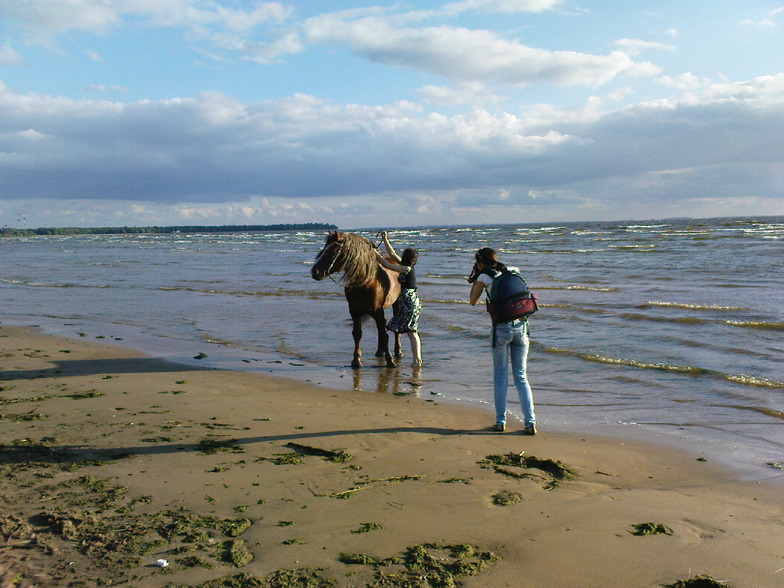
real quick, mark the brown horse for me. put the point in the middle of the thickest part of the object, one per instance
(369, 287)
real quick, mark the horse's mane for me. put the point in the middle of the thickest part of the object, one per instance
(360, 265)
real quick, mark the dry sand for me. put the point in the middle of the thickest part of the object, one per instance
(112, 460)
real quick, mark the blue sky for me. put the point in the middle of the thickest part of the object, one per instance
(143, 112)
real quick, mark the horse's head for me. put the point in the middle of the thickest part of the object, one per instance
(329, 258)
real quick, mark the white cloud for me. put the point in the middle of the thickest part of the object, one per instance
(103, 88)
(502, 6)
(260, 52)
(683, 82)
(471, 93)
(9, 56)
(634, 47)
(214, 157)
(47, 17)
(207, 18)
(769, 21)
(378, 34)
(470, 55)
(31, 135)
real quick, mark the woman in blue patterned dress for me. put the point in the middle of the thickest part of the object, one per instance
(406, 319)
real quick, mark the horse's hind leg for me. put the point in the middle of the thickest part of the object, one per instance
(356, 331)
(383, 337)
(398, 348)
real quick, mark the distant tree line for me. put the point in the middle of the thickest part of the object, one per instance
(183, 229)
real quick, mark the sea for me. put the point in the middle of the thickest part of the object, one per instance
(668, 331)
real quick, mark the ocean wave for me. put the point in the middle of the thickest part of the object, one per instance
(444, 300)
(637, 248)
(753, 381)
(579, 288)
(764, 325)
(256, 293)
(743, 379)
(54, 285)
(693, 306)
(579, 309)
(687, 320)
(629, 362)
(761, 409)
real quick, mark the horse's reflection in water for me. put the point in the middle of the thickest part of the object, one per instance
(389, 381)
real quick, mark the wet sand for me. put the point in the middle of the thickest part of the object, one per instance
(112, 461)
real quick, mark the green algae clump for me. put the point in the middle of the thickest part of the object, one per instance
(506, 497)
(429, 564)
(643, 529)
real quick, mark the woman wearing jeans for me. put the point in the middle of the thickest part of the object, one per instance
(510, 339)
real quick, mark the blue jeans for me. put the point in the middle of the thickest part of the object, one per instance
(512, 339)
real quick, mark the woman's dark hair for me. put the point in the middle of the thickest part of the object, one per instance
(489, 258)
(409, 257)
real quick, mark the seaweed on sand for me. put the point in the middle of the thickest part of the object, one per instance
(235, 552)
(703, 581)
(367, 485)
(121, 541)
(111, 544)
(506, 497)
(284, 458)
(367, 528)
(16, 532)
(118, 541)
(97, 521)
(23, 417)
(429, 564)
(24, 454)
(295, 457)
(211, 445)
(554, 471)
(651, 529)
(300, 578)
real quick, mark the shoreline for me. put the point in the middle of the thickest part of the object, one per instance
(375, 379)
(94, 433)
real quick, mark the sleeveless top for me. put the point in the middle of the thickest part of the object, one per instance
(408, 280)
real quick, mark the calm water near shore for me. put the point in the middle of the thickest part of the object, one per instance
(668, 330)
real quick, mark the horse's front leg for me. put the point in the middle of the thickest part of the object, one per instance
(356, 331)
(383, 338)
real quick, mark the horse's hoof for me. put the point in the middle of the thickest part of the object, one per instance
(399, 354)
(356, 364)
(391, 364)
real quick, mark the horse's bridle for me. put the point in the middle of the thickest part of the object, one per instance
(339, 245)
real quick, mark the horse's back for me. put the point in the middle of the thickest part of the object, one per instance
(382, 292)
(391, 286)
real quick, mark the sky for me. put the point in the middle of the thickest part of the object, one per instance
(388, 114)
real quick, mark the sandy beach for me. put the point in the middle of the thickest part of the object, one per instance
(120, 469)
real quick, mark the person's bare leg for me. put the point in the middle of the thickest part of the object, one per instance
(416, 348)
